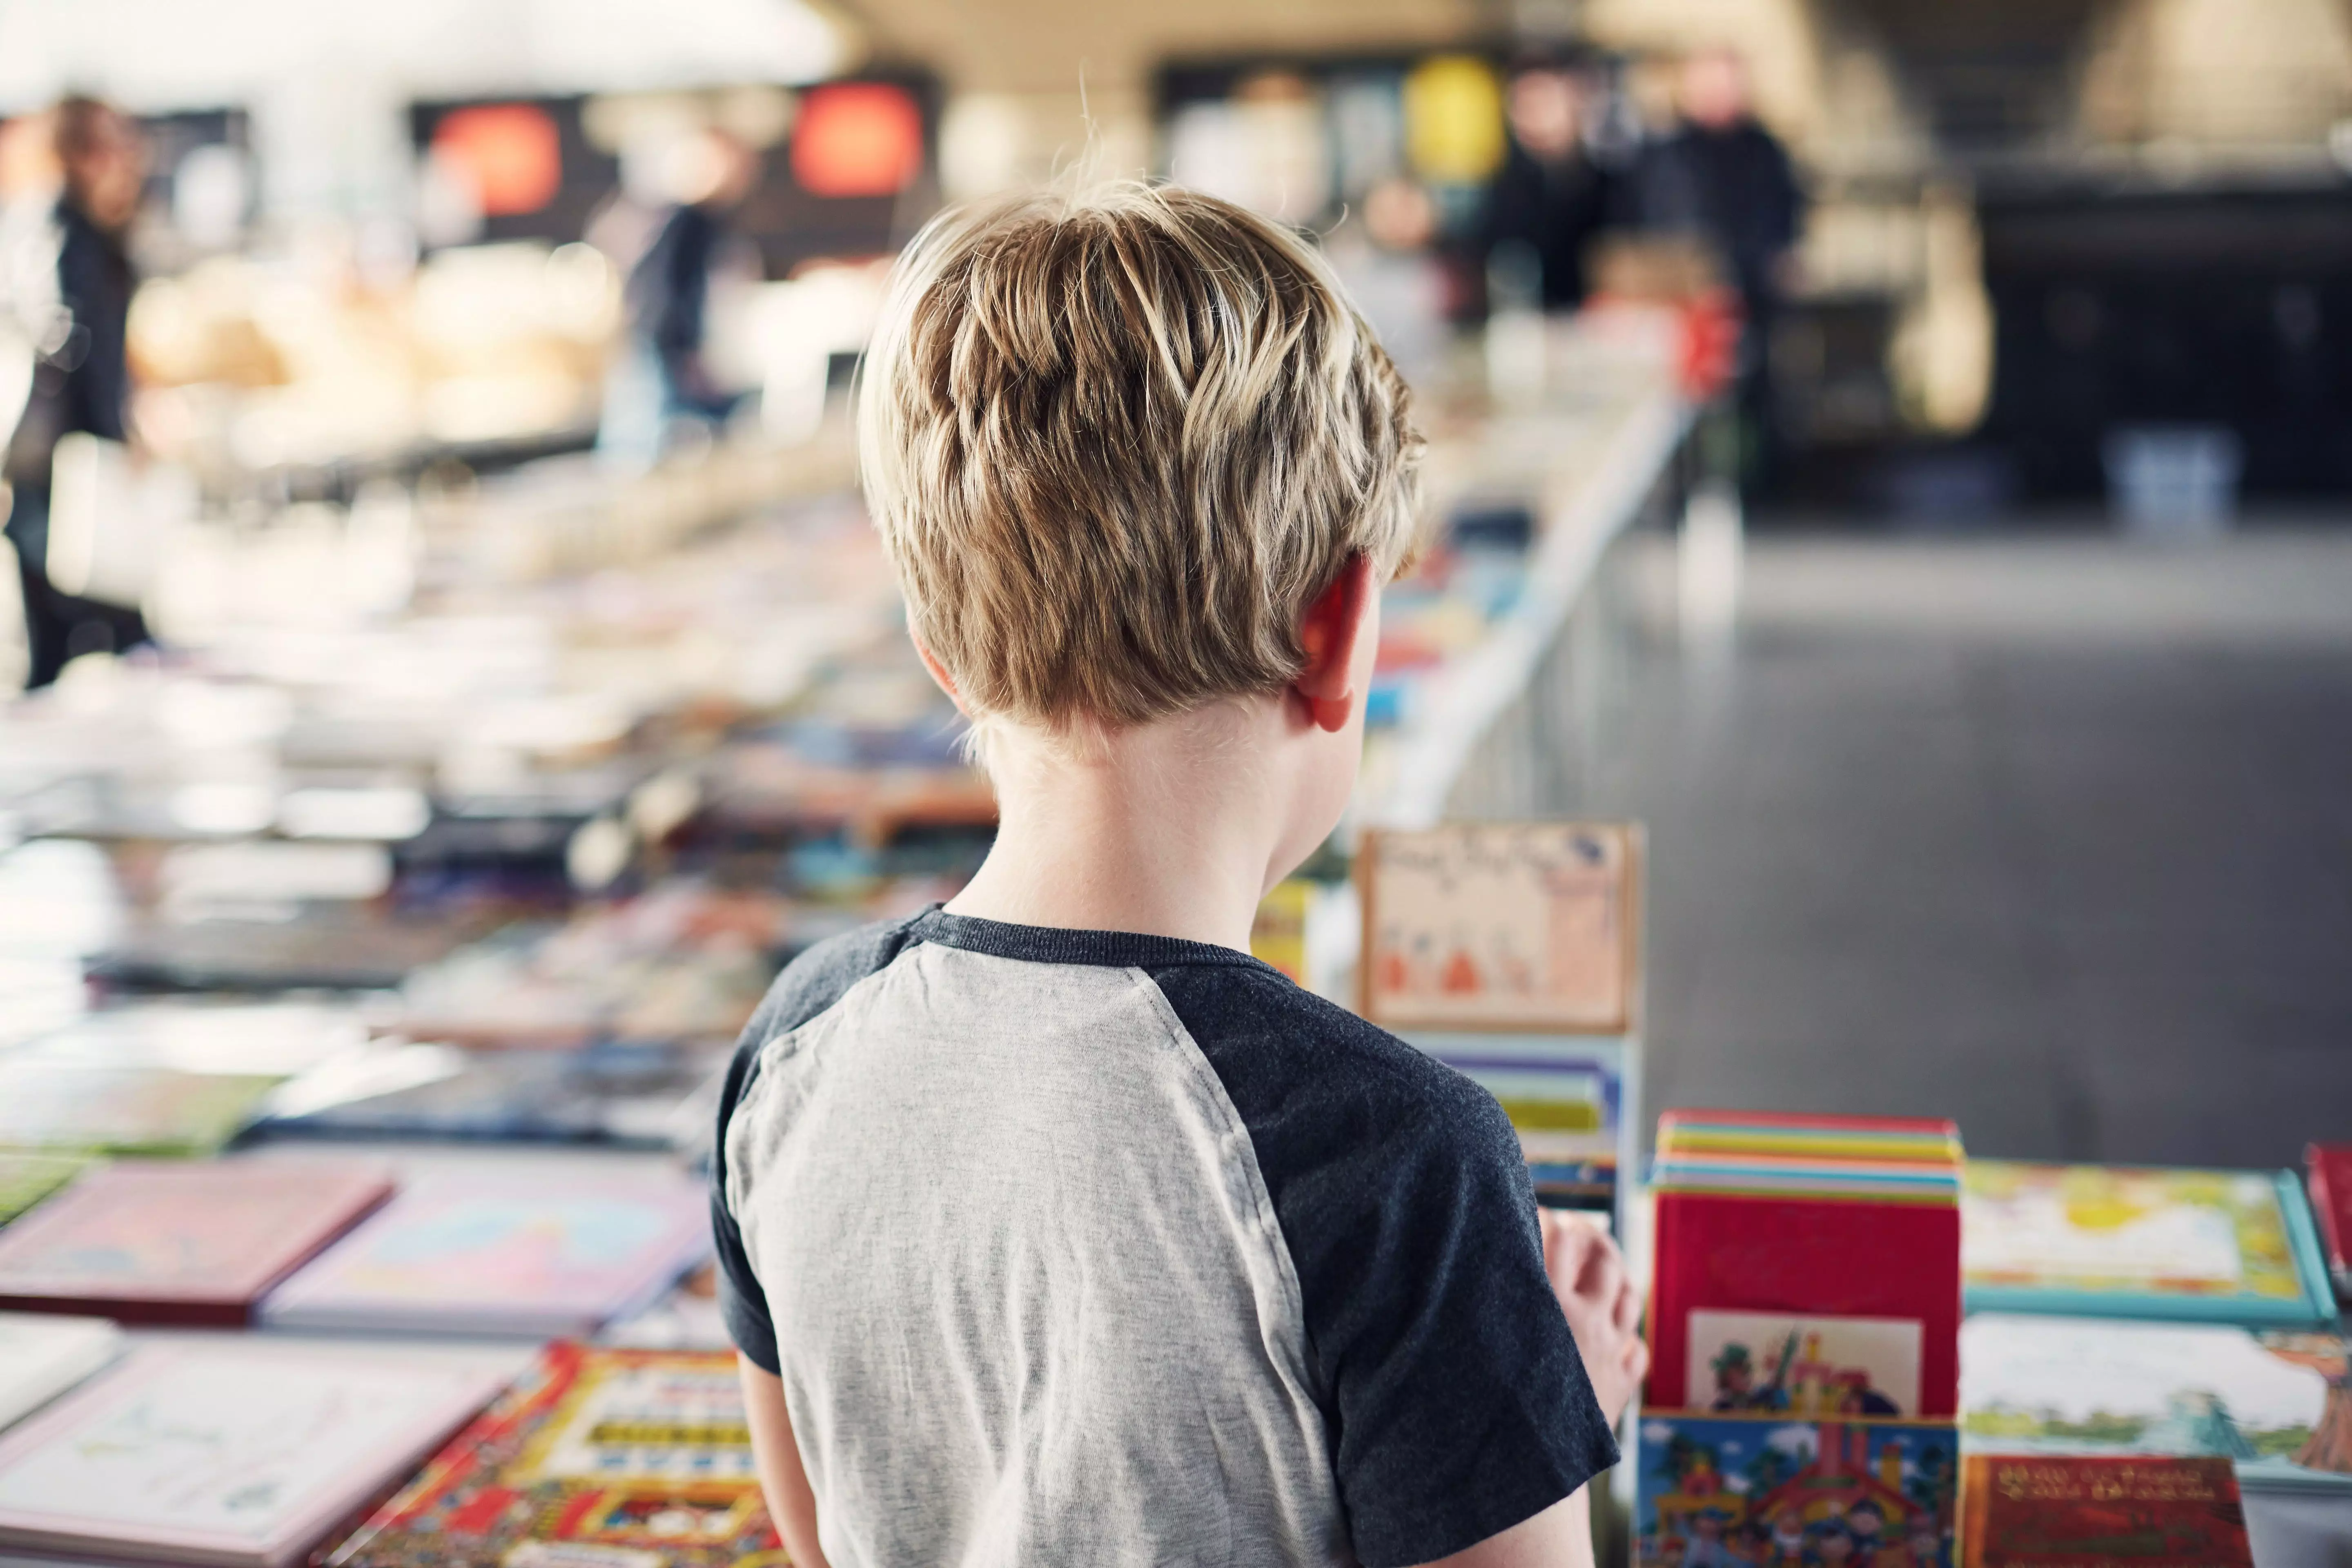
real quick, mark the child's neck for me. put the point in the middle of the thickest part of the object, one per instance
(1168, 828)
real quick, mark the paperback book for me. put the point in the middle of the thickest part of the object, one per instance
(158, 1242)
(234, 1454)
(2273, 1402)
(2232, 1247)
(2329, 1168)
(652, 1096)
(41, 1357)
(2075, 1513)
(542, 1253)
(1726, 1491)
(615, 1458)
(63, 1107)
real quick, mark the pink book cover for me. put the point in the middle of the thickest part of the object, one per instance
(175, 1242)
(539, 1253)
(235, 1454)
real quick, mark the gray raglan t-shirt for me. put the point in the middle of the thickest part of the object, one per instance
(1083, 1248)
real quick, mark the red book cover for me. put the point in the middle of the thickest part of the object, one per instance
(1802, 1256)
(2329, 1168)
(2076, 1511)
(171, 1242)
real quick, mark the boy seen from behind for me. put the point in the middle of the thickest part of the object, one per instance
(1055, 1229)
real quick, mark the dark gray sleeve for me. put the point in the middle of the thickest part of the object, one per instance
(809, 985)
(1457, 1404)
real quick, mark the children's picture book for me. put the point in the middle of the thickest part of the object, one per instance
(1808, 1220)
(615, 1459)
(1812, 1366)
(2128, 1242)
(2273, 1401)
(2076, 1512)
(42, 1356)
(27, 1179)
(536, 1252)
(1501, 926)
(169, 1242)
(2328, 1169)
(235, 1454)
(1715, 1491)
(60, 1106)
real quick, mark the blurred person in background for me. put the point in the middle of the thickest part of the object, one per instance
(664, 377)
(1393, 275)
(1724, 177)
(81, 376)
(1551, 198)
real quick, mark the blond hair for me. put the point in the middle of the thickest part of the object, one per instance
(1116, 442)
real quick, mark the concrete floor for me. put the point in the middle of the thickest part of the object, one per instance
(2052, 836)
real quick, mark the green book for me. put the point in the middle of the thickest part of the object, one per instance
(27, 1179)
(64, 1108)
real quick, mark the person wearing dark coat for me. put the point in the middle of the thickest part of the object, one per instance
(82, 384)
(1550, 198)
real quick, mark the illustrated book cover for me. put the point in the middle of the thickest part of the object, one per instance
(618, 1459)
(1501, 926)
(42, 1356)
(2076, 1512)
(2131, 1242)
(168, 1242)
(235, 1454)
(519, 1252)
(62, 1107)
(2274, 1401)
(1727, 1492)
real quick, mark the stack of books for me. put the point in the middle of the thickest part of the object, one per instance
(2127, 1313)
(1804, 1325)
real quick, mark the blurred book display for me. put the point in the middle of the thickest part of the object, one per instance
(594, 1457)
(27, 1179)
(230, 1454)
(539, 1250)
(2094, 1513)
(2275, 1401)
(178, 1243)
(2118, 1241)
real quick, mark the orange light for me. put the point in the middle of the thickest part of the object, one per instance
(857, 139)
(510, 153)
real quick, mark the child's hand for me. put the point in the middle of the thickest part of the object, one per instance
(1604, 1307)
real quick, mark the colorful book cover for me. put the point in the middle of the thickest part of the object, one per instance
(2053, 1513)
(238, 1453)
(598, 1458)
(27, 1179)
(1716, 1491)
(1812, 1366)
(1501, 926)
(58, 1106)
(2329, 1168)
(2274, 1401)
(510, 1252)
(169, 1242)
(42, 1356)
(2121, 1241)
(1805, 1258)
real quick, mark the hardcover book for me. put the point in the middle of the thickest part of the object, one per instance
(516, 1252)
(59, 1106)
(41, 1357)
(615, 1458)
(2234, 1246)
(171, 1243)
(2329, 1168)
(1501, 926)
(2274, 1401)
(234, 1454)
(1726, 1491)
(2138, 1512)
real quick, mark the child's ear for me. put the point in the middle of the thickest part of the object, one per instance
(1331, 632)
(939, 675)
